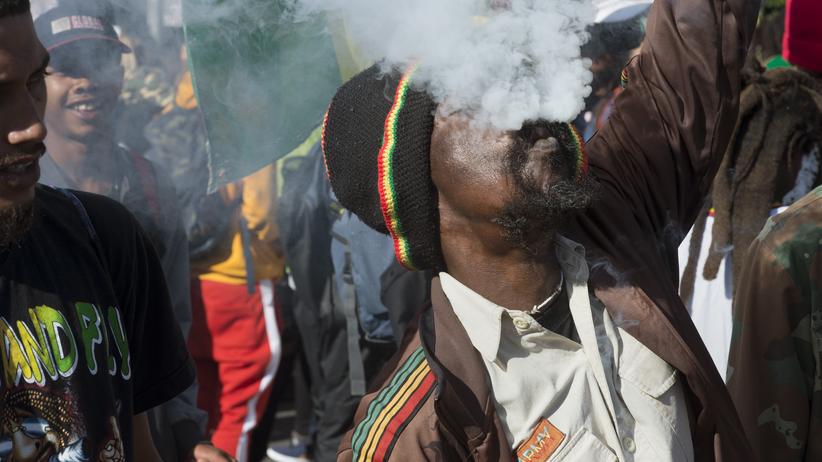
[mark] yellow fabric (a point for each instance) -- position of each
(185, 97)
(259, 208)
(349, 58)
(260, 192)
(301, 151)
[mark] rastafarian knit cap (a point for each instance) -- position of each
(377, 141)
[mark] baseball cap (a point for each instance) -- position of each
(69, 23)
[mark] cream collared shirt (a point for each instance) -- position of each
(610, 396)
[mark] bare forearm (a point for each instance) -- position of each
(144, 449)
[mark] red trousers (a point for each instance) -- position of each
(235, 343)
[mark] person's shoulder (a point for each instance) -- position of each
(810, 206)
(386, 415)
(156, 184)
(110, 220)
(800, 221)
(82, 215)
(102, 208)
(96, 207)
(793, 235)
(164, 186)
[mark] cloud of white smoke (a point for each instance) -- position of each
(504, 65)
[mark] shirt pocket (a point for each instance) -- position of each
(645, 370)
(583, 446)
(656, 402)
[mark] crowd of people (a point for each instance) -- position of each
(642, 283)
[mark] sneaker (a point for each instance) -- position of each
(292, 451)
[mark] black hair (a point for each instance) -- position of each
(615, 38)
(14, 7)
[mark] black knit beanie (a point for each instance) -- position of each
(377, 141)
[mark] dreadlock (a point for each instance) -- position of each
(767, 40)
(780, 121)
(14, 7)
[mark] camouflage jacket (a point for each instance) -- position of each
(775, 367)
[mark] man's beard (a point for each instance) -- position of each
(15, 221)
(537, 212)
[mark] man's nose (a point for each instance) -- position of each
(29, 128)
(83, 85)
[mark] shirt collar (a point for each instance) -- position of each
(482, 318)
(51, 175)
(571, 256)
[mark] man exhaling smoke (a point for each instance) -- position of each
(538, 208)
(528, 351)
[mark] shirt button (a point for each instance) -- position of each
(521, 324)
(629, 444)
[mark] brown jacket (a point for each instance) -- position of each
(655, 158)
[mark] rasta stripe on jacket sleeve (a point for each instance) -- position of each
(392, 409)
(579, 147)
(385, 162)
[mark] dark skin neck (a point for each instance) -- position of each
(470, 171)
(88, 164)
(478, 256)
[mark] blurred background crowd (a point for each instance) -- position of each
(291, 304)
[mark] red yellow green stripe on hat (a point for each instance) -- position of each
(386, 174)
(579, 152)
(322, 143)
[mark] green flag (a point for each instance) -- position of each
(263, 80)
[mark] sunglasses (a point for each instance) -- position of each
(33, 427)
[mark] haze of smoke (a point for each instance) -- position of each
(504, 65)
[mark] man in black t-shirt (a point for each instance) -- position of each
(88, 340)
(84, 80)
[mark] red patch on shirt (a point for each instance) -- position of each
(544, 440)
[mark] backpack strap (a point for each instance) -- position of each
(148, 182)
(346, 298)
(84, 217)
(245, 240)
(81, 209)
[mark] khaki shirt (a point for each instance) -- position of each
(610, 397)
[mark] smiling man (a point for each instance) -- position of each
(88, 341)
(555, 330)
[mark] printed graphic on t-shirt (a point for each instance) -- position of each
(42, 417)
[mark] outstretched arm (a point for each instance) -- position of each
(671, 125)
